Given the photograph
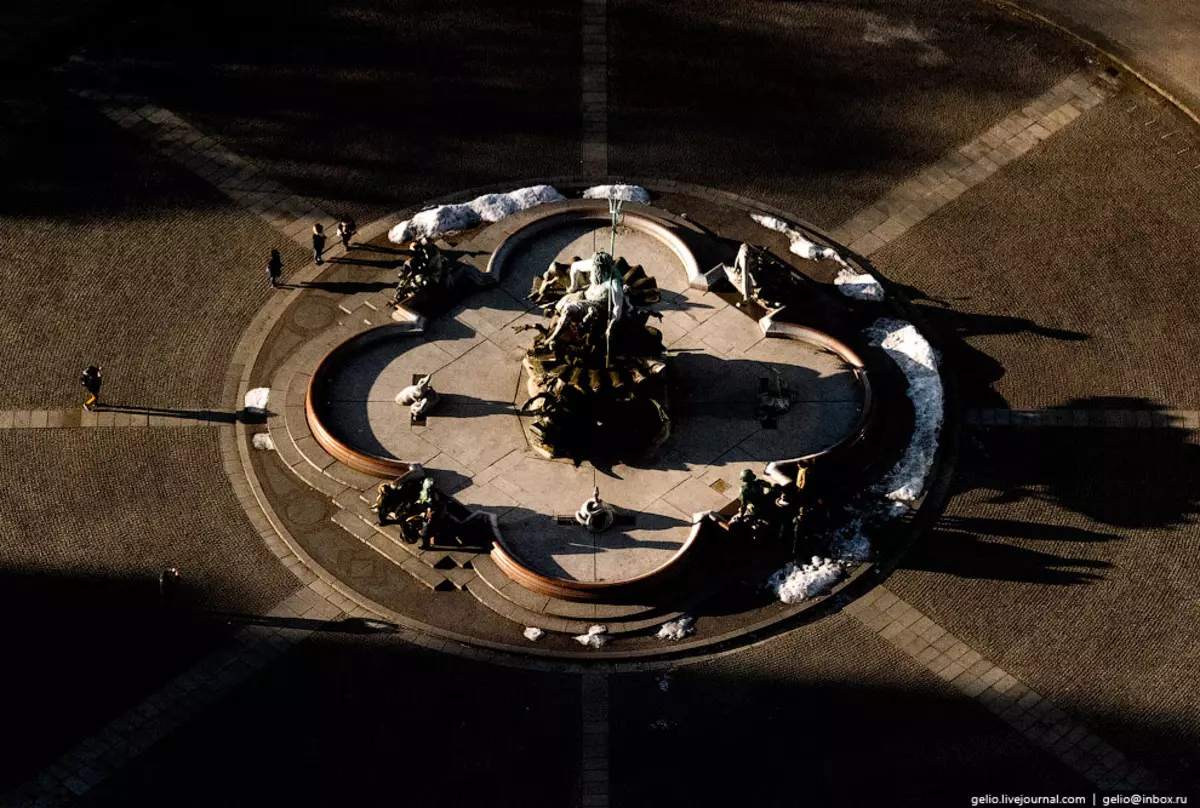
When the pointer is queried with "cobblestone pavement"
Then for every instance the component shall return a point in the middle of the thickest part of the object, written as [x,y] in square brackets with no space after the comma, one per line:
[830,105]
[376,720]
[803,720]
[1156,39]
[127,261]
[120,741]
[1060,284]
[90,518]
[1104,294]
[368,106]
[1081,584]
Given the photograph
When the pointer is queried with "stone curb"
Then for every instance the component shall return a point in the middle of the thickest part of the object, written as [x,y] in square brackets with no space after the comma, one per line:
[1108,49]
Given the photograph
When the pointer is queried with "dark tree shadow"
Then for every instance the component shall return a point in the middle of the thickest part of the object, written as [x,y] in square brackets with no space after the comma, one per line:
[1125,478]
[967,556]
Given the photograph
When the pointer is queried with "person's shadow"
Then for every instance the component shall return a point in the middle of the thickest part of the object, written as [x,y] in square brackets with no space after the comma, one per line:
[205,416]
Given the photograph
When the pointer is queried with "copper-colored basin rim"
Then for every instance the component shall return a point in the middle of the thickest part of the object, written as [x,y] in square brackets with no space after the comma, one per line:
[365,462]
[569,589]
[506,559]
[551,219]
[778,469]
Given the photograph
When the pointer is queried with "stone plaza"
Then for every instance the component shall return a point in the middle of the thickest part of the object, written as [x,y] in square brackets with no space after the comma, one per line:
[848,460]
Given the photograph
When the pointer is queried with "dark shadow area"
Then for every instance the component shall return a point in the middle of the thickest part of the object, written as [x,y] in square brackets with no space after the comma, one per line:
[1123,477]
[883,106]
[1128,479]
[346,287]
[967,556]
[471,733]
[1023,530]
[349,625]
[975,372]
[798,723]
[210,416]
[85,647]
[728,731]
[375,246]
[454,405]
[537,538]
[497,99]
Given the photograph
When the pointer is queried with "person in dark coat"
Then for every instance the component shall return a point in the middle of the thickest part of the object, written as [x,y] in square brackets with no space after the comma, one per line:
[318,243]
[345,230]
[169,583]
[91,382]
[274,268]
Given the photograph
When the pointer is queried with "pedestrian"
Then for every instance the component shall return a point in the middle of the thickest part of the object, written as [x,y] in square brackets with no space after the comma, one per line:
[345,230]
[168,586]
[91,382]
[318,243]
[274,268]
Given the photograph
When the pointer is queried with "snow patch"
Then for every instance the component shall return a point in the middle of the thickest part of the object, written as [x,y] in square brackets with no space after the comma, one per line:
[916,358]
[630,193]
[800,246]
[771,223]
[596,637]
[797,582]
[533,633]
[858,285]
[850,542]
[676,630]
[263,441]
[256,399]
[487,208]
[880,31]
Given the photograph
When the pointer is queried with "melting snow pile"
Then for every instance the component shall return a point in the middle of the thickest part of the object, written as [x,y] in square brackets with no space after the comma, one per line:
[596,637]
[904,483]
[850,542]
[487,208]
[262,440]
[630,193]
[858,285]
[256,399]
[797,582]
[677,629]
[533,634]
[917,359]
[801,246]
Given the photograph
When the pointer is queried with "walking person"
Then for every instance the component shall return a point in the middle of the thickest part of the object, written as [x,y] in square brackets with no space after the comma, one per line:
[169,584]
[345,230]
[318,243]
[274,268]
[91,382]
